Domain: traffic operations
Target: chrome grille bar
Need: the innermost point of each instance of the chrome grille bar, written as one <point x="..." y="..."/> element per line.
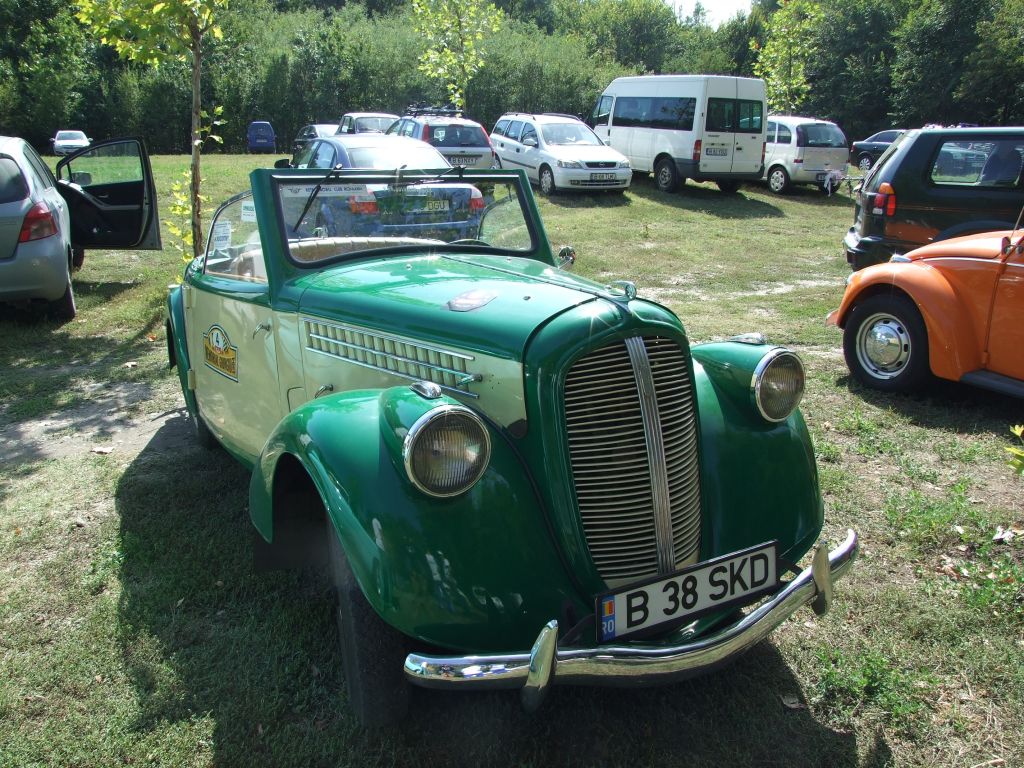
<point x="631" y="425"/>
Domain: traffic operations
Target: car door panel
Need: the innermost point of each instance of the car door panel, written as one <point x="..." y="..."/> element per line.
<point x="111" y="196"/>
<point x="1006" y="334"/>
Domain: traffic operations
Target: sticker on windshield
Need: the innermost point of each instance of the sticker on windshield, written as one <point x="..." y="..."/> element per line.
<point x="220" y="354"/>
<point x="222" y="236"/>
<point x="248" y="212"/>
<point x="327" y="190"/>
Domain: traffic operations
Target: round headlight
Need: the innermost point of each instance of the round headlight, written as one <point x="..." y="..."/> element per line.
<point x="446" y="451"/>
<point x="778" y="384"/>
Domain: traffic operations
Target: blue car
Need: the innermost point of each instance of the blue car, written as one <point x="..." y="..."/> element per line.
<point x="260" y="137"/>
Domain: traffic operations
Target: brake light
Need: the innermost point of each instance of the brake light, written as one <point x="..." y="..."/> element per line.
<point x="884" y="200"/>
<point x="696" y="151"/>
<point x="39" y="223"/>
<point x="426" y="133"/>
<point x="476" y="201"/>
<point x="362" y="204"/>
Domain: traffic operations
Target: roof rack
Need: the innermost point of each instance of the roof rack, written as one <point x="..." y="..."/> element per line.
<point x="561" y="114"/>
<point x="416" y="110"/>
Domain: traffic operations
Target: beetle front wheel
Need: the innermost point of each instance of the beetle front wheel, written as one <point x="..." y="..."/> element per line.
<point x="885" y="344"/>
<point x="372" y="651"/>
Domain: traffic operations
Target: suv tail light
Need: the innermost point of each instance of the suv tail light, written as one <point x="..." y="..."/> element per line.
<point x="696" y="151"/>
<point x="884" y="200"/>
<point x="39" y="223"/>
<point x="426" y="133"/>
<point x="476" y="201"/>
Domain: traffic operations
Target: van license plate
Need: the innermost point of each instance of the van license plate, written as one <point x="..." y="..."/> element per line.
<point x="716" y="152"/>
<point x="725" y="581"/>
<point x="602" y="177"/>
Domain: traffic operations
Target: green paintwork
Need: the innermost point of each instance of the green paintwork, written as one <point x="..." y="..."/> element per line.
<point x="484" y="571"/>
<point x="176" y="338"/>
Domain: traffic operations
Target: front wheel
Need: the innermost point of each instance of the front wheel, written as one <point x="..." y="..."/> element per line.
<point x="372" y="651"/>
<point x="778" y="180"/>
<point x="666" y="175"/>
<point x="547" y="181"/>
<point x="885" y="344"/>
<point x="864" y="163"/>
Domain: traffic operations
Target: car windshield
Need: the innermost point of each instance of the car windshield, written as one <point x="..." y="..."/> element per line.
<point x="373" y="124"/>
<point x="820" y="135"/>
<point x="70" y="135"/>
<point x="569" y="133"/>
<point x="355" y="214"/>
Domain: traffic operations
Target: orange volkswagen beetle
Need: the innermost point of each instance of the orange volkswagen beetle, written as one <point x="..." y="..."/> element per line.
<point x="953" y="309"/>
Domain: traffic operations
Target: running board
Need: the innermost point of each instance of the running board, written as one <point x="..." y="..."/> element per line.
<point x="994" y="381"/>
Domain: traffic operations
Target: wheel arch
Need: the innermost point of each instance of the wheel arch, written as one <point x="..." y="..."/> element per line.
<point x="953" y="342"/>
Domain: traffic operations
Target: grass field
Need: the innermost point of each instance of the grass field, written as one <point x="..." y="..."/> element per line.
<point x="134" y="631"/>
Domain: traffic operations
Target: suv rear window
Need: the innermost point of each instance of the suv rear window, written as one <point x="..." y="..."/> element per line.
<point x="12" y="183"/>
<point x="819" y="135"/>
<point x="457" y="136"/>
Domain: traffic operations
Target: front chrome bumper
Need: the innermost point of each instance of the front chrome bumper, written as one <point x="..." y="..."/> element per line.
<point x="633" y="665"/>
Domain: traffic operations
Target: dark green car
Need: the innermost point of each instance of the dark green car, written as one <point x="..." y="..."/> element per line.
<point x="515" y="476"/>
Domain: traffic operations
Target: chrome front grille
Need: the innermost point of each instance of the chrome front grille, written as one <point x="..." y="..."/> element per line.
<point x="631" y="423"/>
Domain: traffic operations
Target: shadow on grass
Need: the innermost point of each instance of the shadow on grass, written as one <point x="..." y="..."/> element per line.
<point x="706" y="199"/>
<point x="947" y="405"/>
<point x="254" y="657"/>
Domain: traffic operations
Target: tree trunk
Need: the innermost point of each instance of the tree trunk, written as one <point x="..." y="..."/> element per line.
<point x="197" y="139"/>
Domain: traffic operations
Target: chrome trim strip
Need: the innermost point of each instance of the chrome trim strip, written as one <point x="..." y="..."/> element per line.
<point x="632" y="665"/>
<point x="381" y="353"/>
<point x="655" y="454"/>
<point x="453" y="390"/>
<point x="383" y="337"/>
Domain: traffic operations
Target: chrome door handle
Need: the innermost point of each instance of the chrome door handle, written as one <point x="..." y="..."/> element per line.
<point x="260" y="327"/>
<point x="323" y="390"/>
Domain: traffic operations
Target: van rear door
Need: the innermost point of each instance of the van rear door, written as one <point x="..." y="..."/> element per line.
<point x="719" y="140"/>
<point x="749" y="139"/>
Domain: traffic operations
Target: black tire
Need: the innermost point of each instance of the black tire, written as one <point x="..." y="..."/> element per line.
<point x="666" y="175"/>
<point x="497" y="162"/>
<point x="864" y="163"/>
<point x="204" y="437"/>
<point x="64" y="308"/>
<point x="77" y="258"/>
<point x="778" y="180"/>
<point x="547" y="181"/>
<point x="729" y="187"/>
<point x="372" y="651"/>
<point x="885" y="343"/>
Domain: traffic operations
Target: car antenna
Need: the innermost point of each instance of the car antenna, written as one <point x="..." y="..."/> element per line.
<point x="313" y="194"/>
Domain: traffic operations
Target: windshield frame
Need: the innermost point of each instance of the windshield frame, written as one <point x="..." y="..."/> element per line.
<point x="539" y="248"/>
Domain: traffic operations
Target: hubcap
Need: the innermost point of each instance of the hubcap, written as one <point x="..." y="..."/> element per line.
<point x="546" y="182"/>
<point x="864" y="164"/>
<point x="664" y="176"/>
<point x="778" y="181"/>
<point x="883" y="346"/>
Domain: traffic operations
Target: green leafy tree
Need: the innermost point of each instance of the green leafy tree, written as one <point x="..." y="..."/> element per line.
<point x="454" y="31"/>
<point x="992" y="87"/>
<point x="784" y="58"/>
<point x="154" y="32"/>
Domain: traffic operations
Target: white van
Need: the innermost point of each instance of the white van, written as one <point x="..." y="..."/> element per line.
<point x="700" y="127"/>
<point x="804" y="150"/>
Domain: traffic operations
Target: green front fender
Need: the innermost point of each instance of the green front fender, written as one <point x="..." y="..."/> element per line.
<point x="759" y="479"/>
<point x="477" y="572"/>
<point x="177" y="344"/>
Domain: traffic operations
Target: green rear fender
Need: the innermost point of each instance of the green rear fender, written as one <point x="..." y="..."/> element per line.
<point x="177" y="347"/>
<point x="762" y="475"/>
<point x="476" y="572"/>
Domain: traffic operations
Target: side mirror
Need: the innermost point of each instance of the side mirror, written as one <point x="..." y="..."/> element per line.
<point x="566" y="257"/>
<point x="529" y="142"/>
<point x="81" y="178"/>
<point x="284" y="162"/>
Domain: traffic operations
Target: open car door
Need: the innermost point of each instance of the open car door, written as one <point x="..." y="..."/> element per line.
<point x="111" y="196"/>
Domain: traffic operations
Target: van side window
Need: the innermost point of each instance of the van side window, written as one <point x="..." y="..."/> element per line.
<point x="751" y="116"/>
<point x="673" y="114"/>
<point x="601" y="111"/>
<point x="721" y="116"/>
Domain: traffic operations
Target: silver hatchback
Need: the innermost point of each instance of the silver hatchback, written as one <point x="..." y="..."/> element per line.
<point x="463" y="142"/>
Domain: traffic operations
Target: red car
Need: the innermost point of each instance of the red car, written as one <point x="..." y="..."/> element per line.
<point x="952" y="309"/>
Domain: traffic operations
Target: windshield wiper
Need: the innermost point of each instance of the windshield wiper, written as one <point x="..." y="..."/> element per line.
<point x="314" y="193"/>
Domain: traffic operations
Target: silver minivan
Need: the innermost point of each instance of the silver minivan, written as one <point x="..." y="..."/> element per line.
<point x="804" y="150"/>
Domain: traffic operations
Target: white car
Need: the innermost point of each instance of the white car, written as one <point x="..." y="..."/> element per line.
<point x="804" y="150"/>
<point x="66" y="142"/>
<point x="559" y="152"/>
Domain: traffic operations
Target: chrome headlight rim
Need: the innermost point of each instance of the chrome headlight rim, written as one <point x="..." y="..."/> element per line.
<point x="757" y="380"/>
<point x="416" y="431"/>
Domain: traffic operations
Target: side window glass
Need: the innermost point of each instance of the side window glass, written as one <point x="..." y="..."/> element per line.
<point x="529" y="132"/>
<point x="601" y="111"/>
<point x="324" y="156"/>
<point x="750" y="116"/>
<point x="634" y="112"/>
<point x="673" y="114"/>
<point x="110" y="164"/>
<point x="769" y="136"/>
<point x="514" y="129"/>
<point x="407" y="128"/>
<point x="44" y="176"/>
<point x="785" y="135"/>
<point x="302" y="159"/>
<point x="499" y="129"/>
<point x="720" y="115"/>
<point x="995" y="163"/>
<point x="233" y="250"/>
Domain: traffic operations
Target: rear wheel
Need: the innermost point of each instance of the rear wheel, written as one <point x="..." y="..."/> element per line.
<point x="666" y="175"/>
<point x="864" y="163"/>
<point x="64" y="308"/>
<point x="885" y="344"/>
<point x="372" y="651"/>
<point x="547" y="181"/>
<point x="778" y="180"/>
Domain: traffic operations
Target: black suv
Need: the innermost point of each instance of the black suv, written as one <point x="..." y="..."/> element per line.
<point x="933" y="184"/>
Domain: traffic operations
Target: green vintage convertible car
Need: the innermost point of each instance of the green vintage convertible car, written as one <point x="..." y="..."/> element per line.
<point x="516" y="477"/>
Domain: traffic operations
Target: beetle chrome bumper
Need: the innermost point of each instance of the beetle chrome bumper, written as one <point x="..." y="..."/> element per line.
<point x="629" y="665"/>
